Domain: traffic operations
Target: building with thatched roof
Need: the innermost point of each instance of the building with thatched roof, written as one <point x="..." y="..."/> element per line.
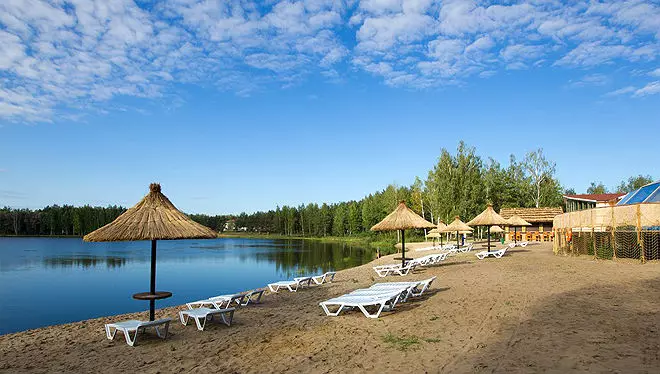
<point x="540" y="218"/>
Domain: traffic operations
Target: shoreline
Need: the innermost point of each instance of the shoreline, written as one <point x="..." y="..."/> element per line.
<point x="529" y="311"/>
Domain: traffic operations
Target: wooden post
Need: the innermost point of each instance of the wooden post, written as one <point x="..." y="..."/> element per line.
<point x="152" y="288"/>
<point x="639" y="235"/>
<point x="593" y="235"/>
<point x="403" y="248"/>
<point x="613" y="234"/>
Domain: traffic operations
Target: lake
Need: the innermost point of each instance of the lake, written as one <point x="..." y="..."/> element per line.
<point x="48" y="281"/>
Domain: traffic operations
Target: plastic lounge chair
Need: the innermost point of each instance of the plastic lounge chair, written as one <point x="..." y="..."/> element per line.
<point x="404" y="290"/>
<point x="381" y="302"/>
<point x="218" y="302"/>
<point x="291" y="285"/>
<point x="416" y="288"/>
<point x="385" y="270"/>
<point x="303" y="281"/>
<point x="201" y="315"/>
<point x="523" y="244"/>
<point x="497" y="254"/>
<point x="324" y="278"/>
<point x="467" y="248"/>
<point x="253" y="296"/>
<point x="126" y="327"/>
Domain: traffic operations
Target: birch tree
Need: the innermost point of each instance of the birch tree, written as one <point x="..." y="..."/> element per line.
<point x="539" y="170"/>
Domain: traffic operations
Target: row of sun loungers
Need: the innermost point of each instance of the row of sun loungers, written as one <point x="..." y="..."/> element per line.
<point x="379" y="297"/>
<point x="220" y="308"/>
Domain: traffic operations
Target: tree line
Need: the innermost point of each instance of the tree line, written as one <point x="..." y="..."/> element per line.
<point x="459" y="184"/>
<point x="56" y="220"/>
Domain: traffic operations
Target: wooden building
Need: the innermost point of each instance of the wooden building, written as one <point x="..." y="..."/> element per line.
<point x="540" y="218"/>
<point x="574" y="203"/>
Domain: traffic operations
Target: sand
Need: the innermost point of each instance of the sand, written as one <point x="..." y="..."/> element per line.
<point x="529" y="311"/>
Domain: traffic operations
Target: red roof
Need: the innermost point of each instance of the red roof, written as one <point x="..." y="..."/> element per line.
<point x="598" y="197"/>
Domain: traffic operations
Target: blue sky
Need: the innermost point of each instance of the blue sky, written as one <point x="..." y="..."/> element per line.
<point x="242" y="106"/>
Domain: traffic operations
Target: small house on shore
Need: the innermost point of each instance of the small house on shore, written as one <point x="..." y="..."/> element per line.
<point x="540" y="218"/>
<point x="574" y="203"/>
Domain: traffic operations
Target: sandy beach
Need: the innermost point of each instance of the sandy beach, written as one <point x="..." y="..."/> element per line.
<point x="529" y="311"/>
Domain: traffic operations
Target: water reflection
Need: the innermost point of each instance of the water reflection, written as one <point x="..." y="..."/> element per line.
<point x="85" y="262"/>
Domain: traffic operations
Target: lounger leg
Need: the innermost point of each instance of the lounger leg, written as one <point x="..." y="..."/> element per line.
<point x="127" y="335"/>
<point x="110" y="333"/>
<point x="166" y="328"/>
<point x="369" y="315"/>
<point x="183" y="318"/>
<point x="199" y="323"/>
<point x="332" y="314"/>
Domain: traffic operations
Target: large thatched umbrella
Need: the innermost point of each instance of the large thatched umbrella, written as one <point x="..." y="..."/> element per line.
<point x="517" y="221"/>
<point x="458" y="226"/>
<point x="153" y="218"/>
<point x="402" y="218"/>
<point x="488" y="218"/>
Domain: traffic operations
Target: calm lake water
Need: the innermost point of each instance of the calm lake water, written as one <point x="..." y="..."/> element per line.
<point x="48" y="281"/>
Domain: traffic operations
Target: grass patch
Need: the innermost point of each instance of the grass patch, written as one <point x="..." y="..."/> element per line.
<point x="434" y="318"/>
<point x="401" y="343"/>
<point x="433" y="340"/>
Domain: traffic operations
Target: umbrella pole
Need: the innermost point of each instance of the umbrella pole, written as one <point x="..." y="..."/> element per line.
<point x="488" y="238"/>
<point x="458" y="245"/>
<point x="515" y="234"/>
<point x="403" y="248"/>
<point x="152" y="302"/>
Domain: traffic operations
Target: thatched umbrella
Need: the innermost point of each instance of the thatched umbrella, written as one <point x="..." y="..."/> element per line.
<point x="402" y="218"/>
<point x="496" y="229"/>
<point x="434" y="234"/>
<point x="153" y="218"/>
<point x="488" y="218"/>
<point x="456" y="225"/>
<point x="516" y="221"/>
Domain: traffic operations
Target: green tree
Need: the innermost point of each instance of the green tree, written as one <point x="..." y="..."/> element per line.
<point x="634" y="183"/>
<point x="596" y="188"/>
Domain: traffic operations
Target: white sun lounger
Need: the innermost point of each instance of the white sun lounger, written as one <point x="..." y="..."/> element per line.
<point x="416" y="288"/>
<point x="466" y="249"/>
<point x="291" y="285"/>
<point x="323" y="278"/>
<point x="126" y="327"/>
<point x="385" y="270"/>
<point x="201" y="315"/>
<point x="381" y="302"/>
<point x="497" y="254"/>
<point x="523" y="244"/>
<point x="226" y="301"/>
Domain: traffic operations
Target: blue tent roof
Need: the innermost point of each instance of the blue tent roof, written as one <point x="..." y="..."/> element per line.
<point x="646" y="194"/>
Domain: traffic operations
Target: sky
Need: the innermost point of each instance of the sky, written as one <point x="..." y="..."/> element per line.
<point x="242" y="106"/>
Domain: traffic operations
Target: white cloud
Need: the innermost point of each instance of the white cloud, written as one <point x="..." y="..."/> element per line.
<point x="61" y="59"/>
<point x="590" y="80"/>
<point x="650" y="89"/>
<point x="621" y="91"/>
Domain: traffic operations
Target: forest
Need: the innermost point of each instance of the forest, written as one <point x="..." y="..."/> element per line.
<point x="460" y="184"/>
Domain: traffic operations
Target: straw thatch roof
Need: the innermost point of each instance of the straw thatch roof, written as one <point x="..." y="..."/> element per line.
<point x="433" y="234"/>
<point x="496" y="229"/>
<point x="517" y="221"/>
<point x="433" y="231"/>
<point x="402" y="218"/>
<point x="532" y="214"/>
<point x="488" y="218"/>
<point x="456" y="225"/>
<point x="153" y="218"/>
